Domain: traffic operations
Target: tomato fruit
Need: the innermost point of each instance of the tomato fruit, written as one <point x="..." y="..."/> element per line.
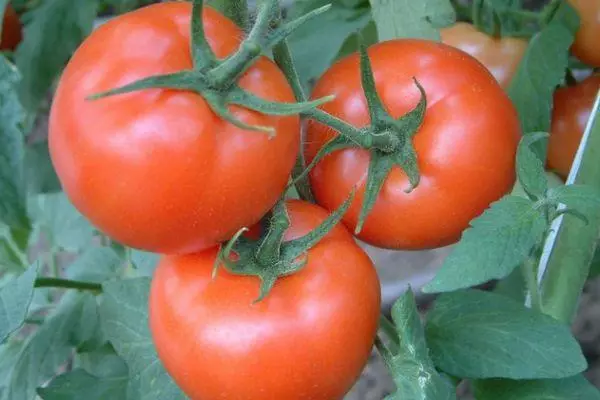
<point x="11" y="29"/>
<point x="309" y="338"/>
<point x="572" y="109"/>
<point x="157" y="169"/>
<point x="586" y="42"/>
<point x="499" y="55"/>
<point x="465" y="147"/>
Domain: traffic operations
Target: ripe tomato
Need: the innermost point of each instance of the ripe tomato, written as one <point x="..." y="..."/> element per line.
<point x="586" y="42"/>
<point x="11" y="30"/>
<point x="572" y="109"/>
<point x="309" y="338"/>
<point x="500" y="56"/>
<point x="157" y="169"/>
<point x="465" y="147"/>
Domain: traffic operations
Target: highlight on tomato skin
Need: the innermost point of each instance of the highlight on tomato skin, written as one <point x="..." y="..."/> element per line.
<point x="11" y="30"/>
<point x="157" y="169"/>
<point x="501" y="56"/>
<point x="309" y="338"/>
<point x="571" y="112"/>
<point x="465" y="147"/>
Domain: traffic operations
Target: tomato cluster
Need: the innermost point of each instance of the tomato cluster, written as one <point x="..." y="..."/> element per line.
<point x="158" y="169"/>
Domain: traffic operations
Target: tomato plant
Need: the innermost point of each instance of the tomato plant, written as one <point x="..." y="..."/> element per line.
<point x="586" y="46"/>
<point x="572" y="110"/>
<point x="499" y="55"/>
<point x="202" y="326"/>
<point x="11" y="29"/>
<point x="454" y="151"/>
<point x="184" y="201"/>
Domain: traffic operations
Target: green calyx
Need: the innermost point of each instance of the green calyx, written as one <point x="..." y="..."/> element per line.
<point x="389" y="140"/>
<point x="217" y="80"/>
<point x="270" y="257"/>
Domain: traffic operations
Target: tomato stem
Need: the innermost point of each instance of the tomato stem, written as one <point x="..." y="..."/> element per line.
<point x="269" y="250"/>
<point x="529" y="268"/>
<point x="43" y="282"/>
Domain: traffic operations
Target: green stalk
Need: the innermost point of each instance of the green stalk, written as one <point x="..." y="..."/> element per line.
<point x="570" y="247"/>
<point x="44" y="282"/>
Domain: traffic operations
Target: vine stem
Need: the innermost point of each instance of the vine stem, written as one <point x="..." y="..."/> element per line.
<point x="44" y="282"/>
<point x="390" y="331"/>
<point x="530" y="273"/>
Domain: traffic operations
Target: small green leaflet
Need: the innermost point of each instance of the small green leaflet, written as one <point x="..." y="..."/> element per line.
<point x="3" y="4"/>
<point x="39" y="172"/>
<point x="12" y="202"/>
<point x="476" y="334"/>
<point x="56" y="28"/>
<point x="543" y="69"/>
<point x="15" y="296"/>
<point x="73" y="384"/>
<point x="574" y="388"/>
<point x="411" y="18"/>
<point x="124" y="315"/>
<point x="144" y="261"/>
<point x="47" y="349"/>
<point x="497" y="242"/>
<point x="413" y="371"/>
<point x="101" y="362"/>
<point x="582" y="198"/>
<point x="530" y="169"/>
<point x="96" y="264"/>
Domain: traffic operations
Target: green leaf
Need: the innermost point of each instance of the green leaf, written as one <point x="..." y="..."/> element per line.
<point x="368" y="35"/>
<point x="574" y="388"/>
<point x="582" y="198"/>
<point x="144" y="262"/>
<point x="46" y="350"/>
<point x="530" y="169"/>
<point x="543" y="69"/>
<point x="9" y="351"/>
<point x="15" y="296"/>
<point x="96" y="264"/>
<point x="3" y="4"/>
<point x="56" y="28"/>
<point x="12" y="201"/>
<point x="87" y="332"/>
<point x="67" y="228"/>
<point x="497" y="242"/>
<point x="124" y="314"/>
<point x="79" y="383"/>
<point x="411" y="19"/>
<point x="39" y="172"/>
<point x="315" y="43"/>
<point x="102" y="362"/>
<point x="476" y="334"/>
<point x="412" y="369"/>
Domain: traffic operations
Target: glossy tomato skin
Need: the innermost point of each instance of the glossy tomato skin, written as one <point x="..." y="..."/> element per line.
<point x="570" y="115"/>
<point x="11" y="30"/>
<point x="586" y="42"/>
<point x="465" y="147"/>
<point x="308" y="339"/>
<point x="157" y="169"/>
<point x="499" y="55"/>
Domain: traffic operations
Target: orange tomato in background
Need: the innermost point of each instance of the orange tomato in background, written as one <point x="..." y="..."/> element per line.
<point x="586" y="46"/>
<point x="501" y="56"/>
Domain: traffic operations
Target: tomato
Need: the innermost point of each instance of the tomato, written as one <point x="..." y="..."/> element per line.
<point x="157" y="169"/>
<point x="572" y="109"/>
<point x="309" y="338"/>
<point x="11" y="29"/>
<point x="500" y="55"/>
<point x="465" y="147"/>
<point x="586" y="42"/>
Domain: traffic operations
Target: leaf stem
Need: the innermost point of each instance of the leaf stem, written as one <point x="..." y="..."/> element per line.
<point x="43" y="282"/>
<point x="385" y="353"/>
<point x="530" y="273"/>
<point x="16" y="249"/>
<point x="389" y="330"/>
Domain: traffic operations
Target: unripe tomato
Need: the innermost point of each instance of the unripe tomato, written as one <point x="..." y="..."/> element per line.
<point x="11" y="29"/>
<point x="158" y="169"/>
<point x="572" y="109"/>
<point x="499" y="55"/>
<point x="586" y="46"/>
<point x="309" y="338"/>
<point x="465" y="147"/>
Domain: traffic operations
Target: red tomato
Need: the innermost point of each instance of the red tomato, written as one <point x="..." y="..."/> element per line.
<point x="500" y="55"/>
<point x="586" y="42"/>
<point x="11" y="29"/>
<point x="309" y="338"/>
<point x="572" y="109"/>
<point x="157" y="169"/>
<point x="466" y="146"/>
